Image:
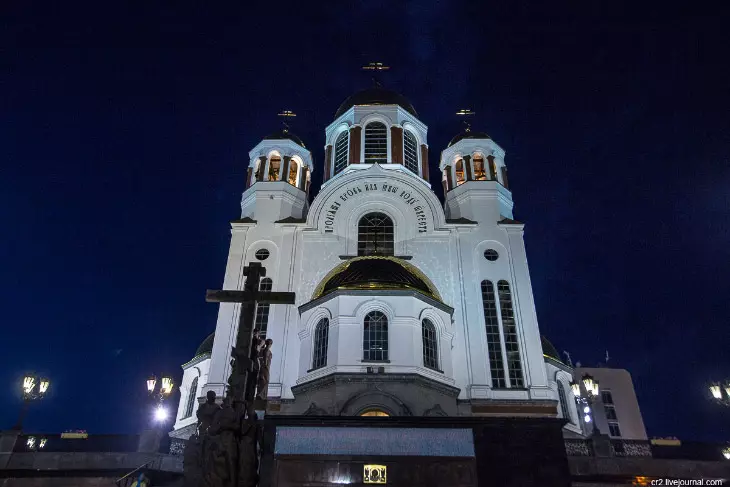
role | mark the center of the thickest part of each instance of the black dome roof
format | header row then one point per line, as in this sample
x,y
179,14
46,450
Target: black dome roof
x,y
468,134
206,346
376,273
376,96
284,134
549,350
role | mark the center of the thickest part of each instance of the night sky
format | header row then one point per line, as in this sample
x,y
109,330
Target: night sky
x,y
124,136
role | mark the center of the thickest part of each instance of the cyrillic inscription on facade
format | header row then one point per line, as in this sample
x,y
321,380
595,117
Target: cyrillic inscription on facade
x,y
365,188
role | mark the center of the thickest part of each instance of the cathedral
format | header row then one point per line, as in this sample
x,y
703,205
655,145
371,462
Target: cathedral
x,y
414,320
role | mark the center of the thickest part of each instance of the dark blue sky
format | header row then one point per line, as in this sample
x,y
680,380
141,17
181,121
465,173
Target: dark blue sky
x,y
125,128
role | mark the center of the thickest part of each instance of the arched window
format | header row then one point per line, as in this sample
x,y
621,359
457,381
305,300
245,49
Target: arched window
x,y
293,166
563,402
376,143
274,167
375,337
262,310
321,338
192,395
375,235
494,345
374,412
341,152
511,345
410,151
459,169
480,172
430,347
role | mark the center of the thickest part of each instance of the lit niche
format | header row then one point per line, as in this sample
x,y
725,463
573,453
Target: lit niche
x,y
375,474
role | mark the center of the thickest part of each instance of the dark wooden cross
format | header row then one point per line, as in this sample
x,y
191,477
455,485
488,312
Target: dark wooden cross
x,y
244,353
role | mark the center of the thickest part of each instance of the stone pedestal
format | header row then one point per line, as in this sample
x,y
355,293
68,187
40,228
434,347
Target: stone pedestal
x,y
601,445
149,441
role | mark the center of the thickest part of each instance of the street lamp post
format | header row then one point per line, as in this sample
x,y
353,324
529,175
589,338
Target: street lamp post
x,y
590,386
721,392
34,388
159,393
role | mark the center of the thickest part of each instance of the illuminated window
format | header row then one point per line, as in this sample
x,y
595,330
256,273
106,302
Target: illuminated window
x,y
494,344
430,348
374,412
375,235
341,152
511,345
321,337
375,337
274,167
376,143
262,310
191,398
459,172
293,166
410,151
563,402
480,172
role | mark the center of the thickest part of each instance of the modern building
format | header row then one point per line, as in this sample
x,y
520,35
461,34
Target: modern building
x,y
616,409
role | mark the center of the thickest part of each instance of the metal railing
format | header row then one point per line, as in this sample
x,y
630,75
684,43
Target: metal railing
x,y
135,476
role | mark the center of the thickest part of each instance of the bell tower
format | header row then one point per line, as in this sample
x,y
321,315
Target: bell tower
x,y
474,178
278,178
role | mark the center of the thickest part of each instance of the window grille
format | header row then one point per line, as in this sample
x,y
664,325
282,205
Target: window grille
x,y
321,337
341,152
410,151
262,310
563,402
375,235
511,345
430,345
375,337
192,395
494,346
376,143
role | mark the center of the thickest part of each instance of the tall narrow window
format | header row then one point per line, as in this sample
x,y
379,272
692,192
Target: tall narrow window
x,y
192,395
375,235
564,402
262,310
341,152
376,143
430,347
459,169
613,429
375,337
494,345
274,168
293,166
321,338
410,151
511,344
480,173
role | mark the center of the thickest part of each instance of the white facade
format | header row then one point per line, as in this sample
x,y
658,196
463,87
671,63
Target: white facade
x,y
440,248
